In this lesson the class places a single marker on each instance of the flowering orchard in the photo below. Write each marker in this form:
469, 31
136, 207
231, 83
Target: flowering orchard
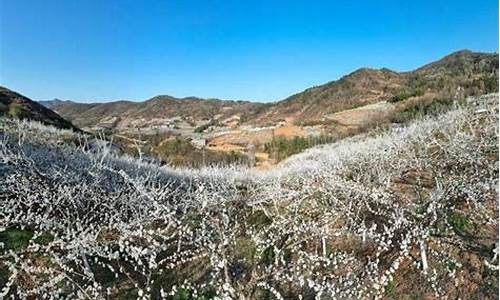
413, 212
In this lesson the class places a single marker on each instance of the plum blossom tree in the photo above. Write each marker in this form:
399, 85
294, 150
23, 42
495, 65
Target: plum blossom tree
344, 220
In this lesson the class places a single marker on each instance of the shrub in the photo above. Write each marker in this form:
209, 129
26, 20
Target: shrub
460, 222
281, 147
423, 108
3, 108
17, 111
180, 152
203, 127
490, 83
405, 94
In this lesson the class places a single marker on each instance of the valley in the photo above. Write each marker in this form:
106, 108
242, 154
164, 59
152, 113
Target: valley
249, 150
378, 185
387, 214
356, 103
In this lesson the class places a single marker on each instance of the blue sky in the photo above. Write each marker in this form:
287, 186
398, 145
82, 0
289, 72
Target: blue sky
98, 50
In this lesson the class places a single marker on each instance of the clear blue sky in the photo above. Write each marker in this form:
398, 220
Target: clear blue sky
253, 50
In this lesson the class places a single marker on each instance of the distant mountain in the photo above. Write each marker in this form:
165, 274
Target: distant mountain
467, 72
461, 62
361, 87
16, 105
461, 74
155, 111
54, 102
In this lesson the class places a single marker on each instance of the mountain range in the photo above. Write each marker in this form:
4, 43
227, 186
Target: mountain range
457, 75
464, 71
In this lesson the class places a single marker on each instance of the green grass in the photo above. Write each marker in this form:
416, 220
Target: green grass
15, 238
44, 239
460, 223
184, 294
268, 256
390, 290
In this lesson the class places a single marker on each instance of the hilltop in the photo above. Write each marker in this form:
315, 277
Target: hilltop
467, 72
179, 130
266, 133
15, 105
157, 111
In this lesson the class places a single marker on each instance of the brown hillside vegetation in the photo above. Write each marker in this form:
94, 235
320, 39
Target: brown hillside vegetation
464, 72
459, 74
154, 112
15, 105
356, 103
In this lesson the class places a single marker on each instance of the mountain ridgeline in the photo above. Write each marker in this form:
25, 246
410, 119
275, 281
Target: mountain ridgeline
152, 112
18, 106
459, 74
465, 72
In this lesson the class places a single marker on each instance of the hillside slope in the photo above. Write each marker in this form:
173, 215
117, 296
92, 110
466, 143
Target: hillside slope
459, 74
404, 214
153, 112
16, 105
468, 73
364, 86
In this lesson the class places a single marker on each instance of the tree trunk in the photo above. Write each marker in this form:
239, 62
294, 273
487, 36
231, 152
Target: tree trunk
423, 255
323, 244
